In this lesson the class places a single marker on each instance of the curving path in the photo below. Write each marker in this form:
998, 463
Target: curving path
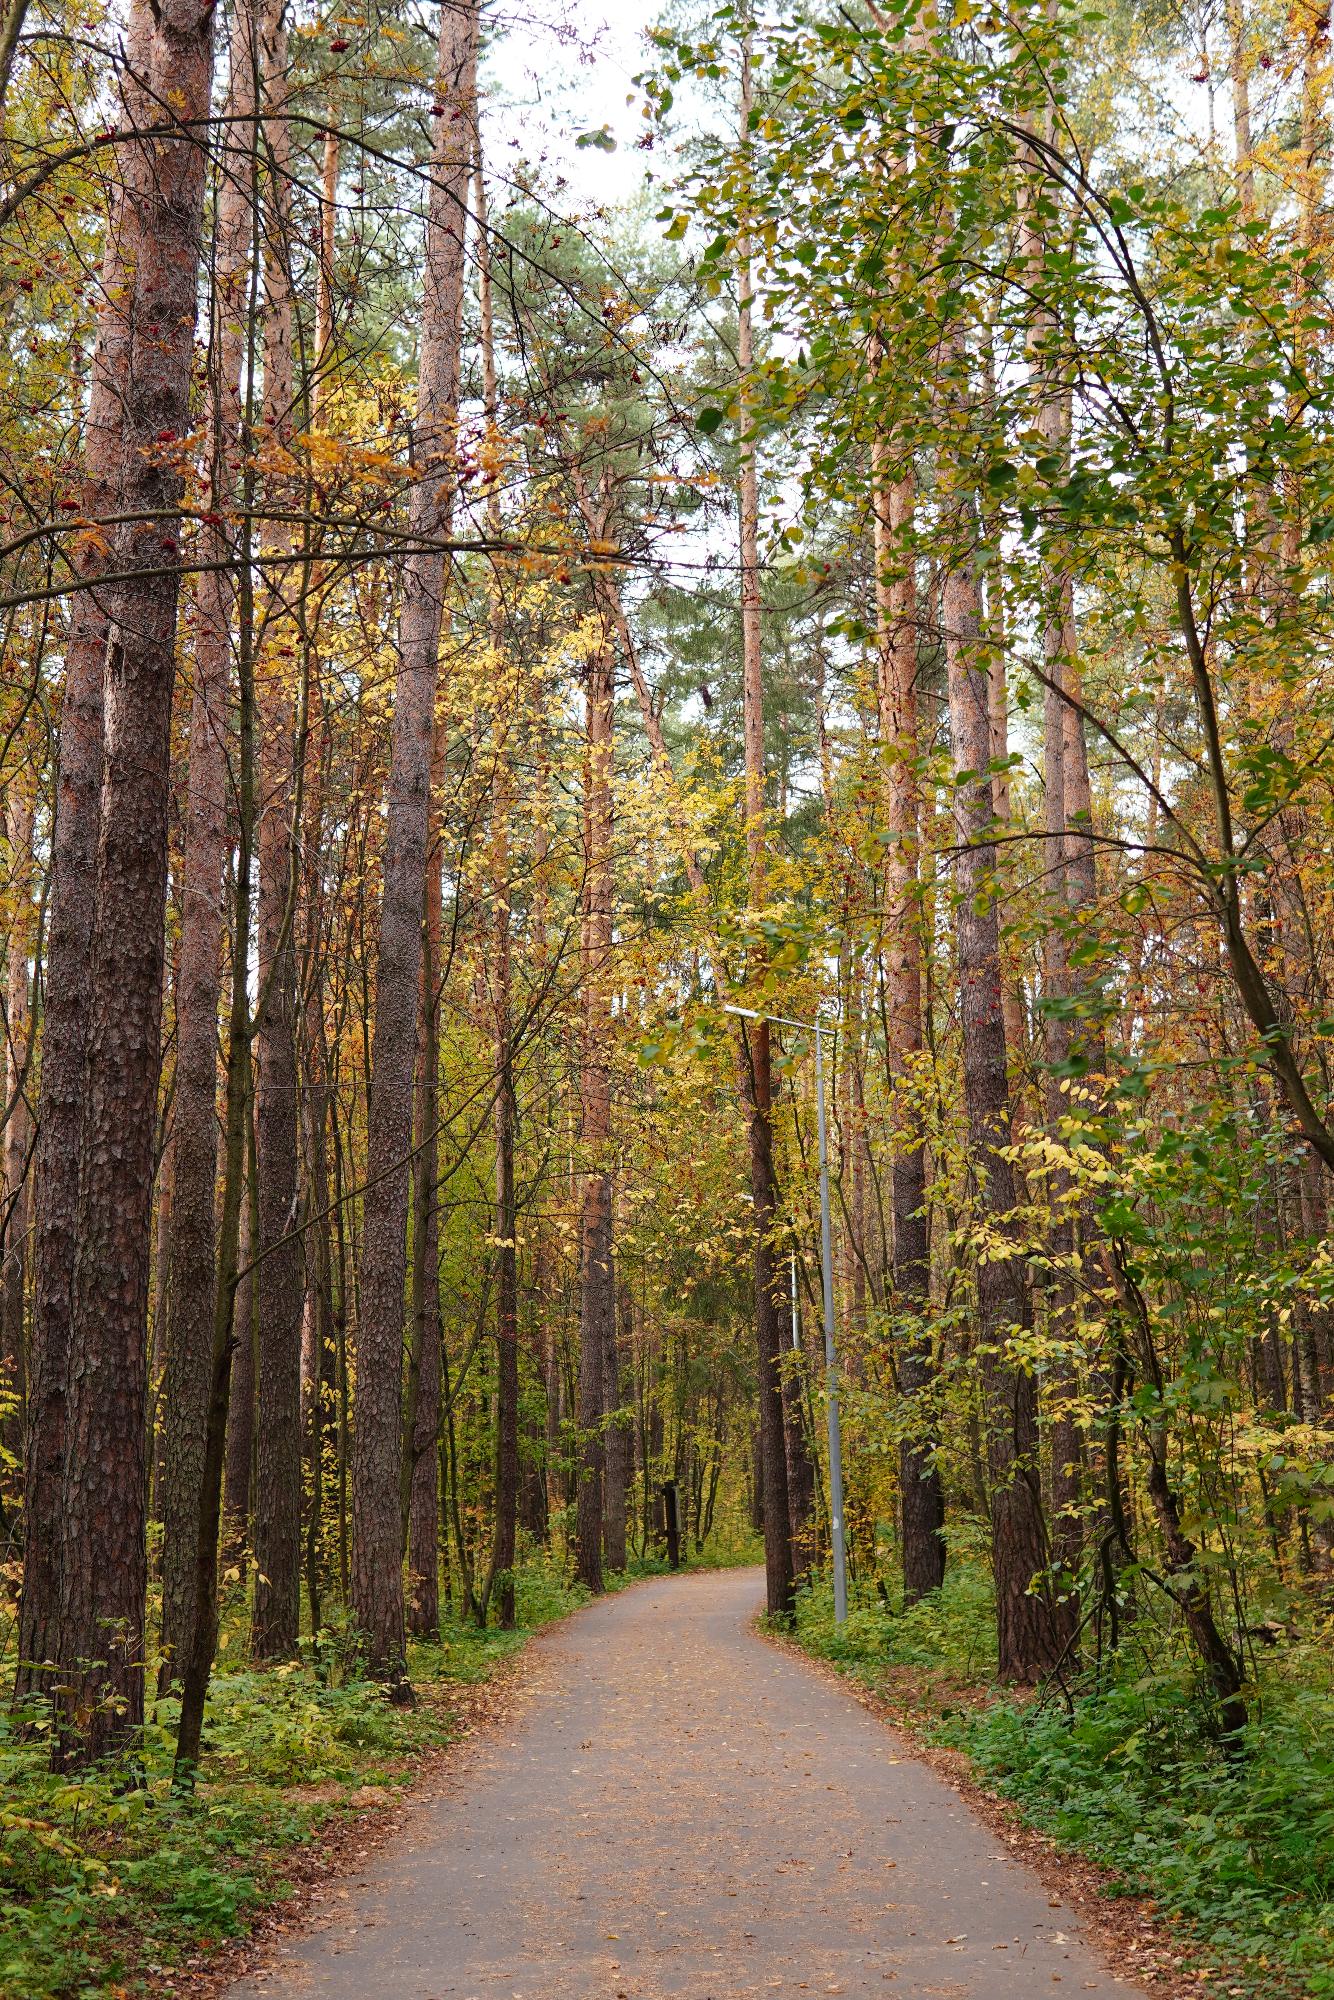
677, 1808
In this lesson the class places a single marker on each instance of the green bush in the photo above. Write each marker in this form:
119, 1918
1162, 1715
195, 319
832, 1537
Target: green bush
1240, 1849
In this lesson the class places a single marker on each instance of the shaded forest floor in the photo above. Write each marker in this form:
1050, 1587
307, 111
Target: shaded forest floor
109, 1887
1224, 1868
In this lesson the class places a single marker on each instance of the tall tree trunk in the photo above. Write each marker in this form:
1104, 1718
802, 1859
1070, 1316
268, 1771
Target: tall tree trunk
18, 1123
507, 1302
1032, 1629
240, 1450
321, 1307
238, 1150
275, 1622
103, 1569
422, 1429
923, 1498
616, 1471
796, 1443
597, 1282
192, 1249
506, 1110
377, 1552
1068, 872
72, 897
756, 1054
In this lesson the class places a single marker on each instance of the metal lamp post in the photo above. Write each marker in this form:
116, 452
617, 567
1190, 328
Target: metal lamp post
820, 1030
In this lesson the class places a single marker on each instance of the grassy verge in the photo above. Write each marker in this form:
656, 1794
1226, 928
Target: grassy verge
109, 1886
1238, 1852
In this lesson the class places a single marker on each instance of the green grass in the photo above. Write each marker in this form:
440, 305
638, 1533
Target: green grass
107, 1885
104, 1884
1239, 1851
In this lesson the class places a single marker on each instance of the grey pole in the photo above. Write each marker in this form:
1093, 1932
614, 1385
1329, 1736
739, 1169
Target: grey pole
830, 1356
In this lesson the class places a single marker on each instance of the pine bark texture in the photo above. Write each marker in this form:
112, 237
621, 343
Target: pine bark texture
423, 1431
102, 1556
18, 1119
377, 1554
1031, 1630
280, 1270
597, 1302
616, 1469
192, 1246
73, 903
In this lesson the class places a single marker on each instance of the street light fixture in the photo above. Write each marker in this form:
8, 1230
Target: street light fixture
819, 1029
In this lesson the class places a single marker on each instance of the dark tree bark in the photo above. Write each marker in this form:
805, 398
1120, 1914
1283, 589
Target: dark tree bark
192, 1248
616, 1466
756, 1070
238, 1143
275, 1623
240, 1451
507, 1310
18, 1123
422, 1430
1033, 1629
506, 1109
377, 1551
796, 1445
72, 900
103, 1570
779, 1573
597, 1303
922, 1492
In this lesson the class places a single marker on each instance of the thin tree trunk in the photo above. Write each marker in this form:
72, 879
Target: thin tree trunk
238, 1147
923, 1498
507, 1310
377, 1551
616, 1473
506, 1110
241, 1404
758, 1073
597, 1283
18, 1125
422, 1430
1068, 871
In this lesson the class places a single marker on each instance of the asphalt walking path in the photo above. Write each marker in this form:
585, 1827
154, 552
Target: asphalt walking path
676, 1807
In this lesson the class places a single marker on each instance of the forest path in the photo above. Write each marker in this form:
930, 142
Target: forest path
677, 1808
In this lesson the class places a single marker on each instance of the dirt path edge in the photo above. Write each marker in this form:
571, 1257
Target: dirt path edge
1128, 1930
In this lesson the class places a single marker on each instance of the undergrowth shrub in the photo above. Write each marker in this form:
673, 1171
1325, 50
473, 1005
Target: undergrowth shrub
1239, 1848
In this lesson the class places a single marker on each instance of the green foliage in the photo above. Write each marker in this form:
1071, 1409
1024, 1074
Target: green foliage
1240, 1850
1243, 1851
103, 1879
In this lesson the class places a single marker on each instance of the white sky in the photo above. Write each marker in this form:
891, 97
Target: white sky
562, 67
